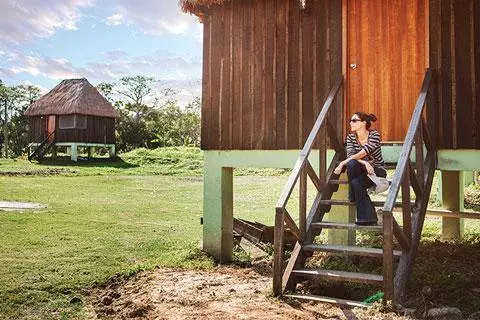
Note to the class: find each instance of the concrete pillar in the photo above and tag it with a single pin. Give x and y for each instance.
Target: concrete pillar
(69, 151)
(218, 211)
(74, 152)
(91, 150)
(452, 197)
(344, 214)
(112, 151)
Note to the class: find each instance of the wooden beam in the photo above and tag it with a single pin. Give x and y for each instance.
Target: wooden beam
(401, 236)
(302, 205)
(406, 208)
(453, 214)
(388, 256)
(292, 225)
(278, 253)
(417, 188)
(319, 184)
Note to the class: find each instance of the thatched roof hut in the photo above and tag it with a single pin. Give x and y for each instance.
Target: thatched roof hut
(73, 96)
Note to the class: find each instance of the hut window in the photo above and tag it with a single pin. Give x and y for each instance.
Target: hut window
(73, 121)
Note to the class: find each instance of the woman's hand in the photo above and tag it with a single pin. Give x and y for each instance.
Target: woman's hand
(369, 167)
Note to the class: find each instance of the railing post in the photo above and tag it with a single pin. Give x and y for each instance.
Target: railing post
(303, 204)
(419, 153)
(388, 255)
(278, 252)
(407, 210)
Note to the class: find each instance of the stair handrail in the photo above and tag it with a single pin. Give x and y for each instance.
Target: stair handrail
(43, 143)
(404, 177)
(307, 148)
(301, 169)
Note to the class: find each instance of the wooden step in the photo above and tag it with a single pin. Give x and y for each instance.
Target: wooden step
(340, 275)
(348, 203)
(349, 226)
(338, 181)
(348, 250)
(343, 302)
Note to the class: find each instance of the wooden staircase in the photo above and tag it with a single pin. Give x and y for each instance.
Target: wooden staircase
(397, 264)
(42, 149)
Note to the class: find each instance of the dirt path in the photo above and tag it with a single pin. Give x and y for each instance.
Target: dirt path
(222, 293)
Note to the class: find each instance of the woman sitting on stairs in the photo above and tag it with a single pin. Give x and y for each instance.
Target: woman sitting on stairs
(364, 162)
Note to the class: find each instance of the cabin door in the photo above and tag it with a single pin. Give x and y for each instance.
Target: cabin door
(50, 125)
(386, 58)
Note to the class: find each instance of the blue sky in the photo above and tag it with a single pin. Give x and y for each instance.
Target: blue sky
(45, 41)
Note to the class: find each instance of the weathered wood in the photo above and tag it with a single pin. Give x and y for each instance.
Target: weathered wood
(247, 230)
(388, 286)
(405, 263)
(338, 181)
(350, 226)
(291, 225)
(278, 252)
(403, 239)
(407, 209)
(302, 205)
(348, 250)
(348, 203)
(343, 302)
(319, 184)
(417, 188)
(453, 214)
(419, 153)
(338, 146)
(288, 189)
(335, 275)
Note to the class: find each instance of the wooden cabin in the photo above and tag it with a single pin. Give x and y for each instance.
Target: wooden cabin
(73, 115)
(280, 76)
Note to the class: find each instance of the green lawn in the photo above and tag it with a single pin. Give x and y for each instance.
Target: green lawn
(110, 218)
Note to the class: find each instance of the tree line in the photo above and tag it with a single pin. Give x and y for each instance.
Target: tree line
(149, 117)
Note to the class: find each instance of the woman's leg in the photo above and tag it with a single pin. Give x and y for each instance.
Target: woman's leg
(354, 169)
(359, 182)
(365, 210)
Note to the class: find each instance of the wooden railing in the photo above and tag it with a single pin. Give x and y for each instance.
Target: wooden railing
(43, 146)
(303, 169)
(419, 175)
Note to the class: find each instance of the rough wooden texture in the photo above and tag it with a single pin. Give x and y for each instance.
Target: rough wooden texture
(388, 36)
(351, 226)
(268, 67)
(348, 250)
(343, 302)
(336, 275)
(388, 255)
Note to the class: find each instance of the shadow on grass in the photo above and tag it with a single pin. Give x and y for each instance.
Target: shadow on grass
(114, 162)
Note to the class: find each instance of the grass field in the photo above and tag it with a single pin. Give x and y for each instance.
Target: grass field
(111, 218)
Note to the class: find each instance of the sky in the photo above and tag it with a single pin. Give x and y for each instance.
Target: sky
(45, 41)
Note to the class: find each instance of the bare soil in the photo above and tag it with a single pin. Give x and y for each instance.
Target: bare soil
(225, 292)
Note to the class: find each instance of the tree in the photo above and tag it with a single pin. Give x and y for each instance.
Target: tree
(107, 90)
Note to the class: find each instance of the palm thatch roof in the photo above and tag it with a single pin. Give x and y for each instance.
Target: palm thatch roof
(196, 7)
(73, 96)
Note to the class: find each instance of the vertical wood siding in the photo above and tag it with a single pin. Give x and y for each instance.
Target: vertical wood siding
(455, 54)
(268, 67)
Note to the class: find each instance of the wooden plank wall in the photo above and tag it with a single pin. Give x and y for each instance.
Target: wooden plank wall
(268, 67)
(99, 130)
(455, 54)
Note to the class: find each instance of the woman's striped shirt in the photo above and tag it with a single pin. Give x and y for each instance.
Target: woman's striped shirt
(372, 147)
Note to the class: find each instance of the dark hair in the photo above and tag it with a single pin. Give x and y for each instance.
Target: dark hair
(369, 118)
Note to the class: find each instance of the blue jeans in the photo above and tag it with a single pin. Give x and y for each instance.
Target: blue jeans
(358, 185)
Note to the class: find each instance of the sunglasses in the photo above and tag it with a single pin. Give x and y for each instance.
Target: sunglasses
(355, 120)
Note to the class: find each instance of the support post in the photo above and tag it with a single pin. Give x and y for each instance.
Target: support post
(74, 152)
(54, 152)
(218, 211)
(91, 150)
(112, 152)
(452, 199)
(345, 214)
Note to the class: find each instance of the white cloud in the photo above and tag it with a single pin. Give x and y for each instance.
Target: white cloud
(156, 17)
(117, 64)
(29, 19)
(115, 19)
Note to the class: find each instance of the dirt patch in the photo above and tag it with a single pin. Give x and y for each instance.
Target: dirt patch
(221, 293)
(20, 206)
(41, 172)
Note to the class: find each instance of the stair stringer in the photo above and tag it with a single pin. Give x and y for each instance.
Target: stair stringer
(405, 264)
